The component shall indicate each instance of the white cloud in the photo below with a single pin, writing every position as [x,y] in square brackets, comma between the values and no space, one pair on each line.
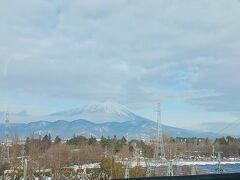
[123,66]
[125,51]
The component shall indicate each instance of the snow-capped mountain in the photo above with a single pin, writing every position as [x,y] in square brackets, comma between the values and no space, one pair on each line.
[98,113]
[97,119]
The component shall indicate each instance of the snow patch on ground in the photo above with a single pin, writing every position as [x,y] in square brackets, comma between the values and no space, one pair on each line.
[179,163]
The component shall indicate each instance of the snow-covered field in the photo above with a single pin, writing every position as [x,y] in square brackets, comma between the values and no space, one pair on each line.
[204,166]
[178,163]
[182,163]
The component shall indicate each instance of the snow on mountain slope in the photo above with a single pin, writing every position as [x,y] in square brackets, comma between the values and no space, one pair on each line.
[97,119]
[98,113]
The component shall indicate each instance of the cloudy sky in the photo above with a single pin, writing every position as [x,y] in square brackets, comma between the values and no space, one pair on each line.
[57,54]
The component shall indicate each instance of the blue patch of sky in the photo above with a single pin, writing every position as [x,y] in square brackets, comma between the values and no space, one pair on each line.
[174,87]
[58,11]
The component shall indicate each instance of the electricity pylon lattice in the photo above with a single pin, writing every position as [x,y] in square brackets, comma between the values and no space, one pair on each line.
[170,169]
[5,148]
[148,169]
[159,153]
[126,173]
[219,168]
[6,129]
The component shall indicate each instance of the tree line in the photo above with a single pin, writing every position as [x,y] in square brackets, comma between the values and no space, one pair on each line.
[57,154]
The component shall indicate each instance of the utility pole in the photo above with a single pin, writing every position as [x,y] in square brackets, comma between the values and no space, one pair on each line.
[159,153]
[105,151]
[213,152]
[170,153]
[25,170]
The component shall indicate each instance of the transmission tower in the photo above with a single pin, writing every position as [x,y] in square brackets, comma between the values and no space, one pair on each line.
[148,169]
[5,148]
[159,153]
[219,168]
[126,173]
[170,169]
[6,129]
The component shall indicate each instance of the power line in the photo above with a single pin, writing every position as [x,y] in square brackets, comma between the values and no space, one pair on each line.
[227,126]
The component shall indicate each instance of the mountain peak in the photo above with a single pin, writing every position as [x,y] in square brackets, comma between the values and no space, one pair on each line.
[107,107]
[98,112]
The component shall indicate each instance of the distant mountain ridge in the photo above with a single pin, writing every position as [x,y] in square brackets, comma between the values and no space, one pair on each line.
[97,119]
[136,129]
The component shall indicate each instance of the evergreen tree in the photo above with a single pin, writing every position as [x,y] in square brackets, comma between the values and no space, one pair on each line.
[26,146]
[92,141]
[57,140]
[46,141]
[105,142]
[77,140]
[221,140]
[123,141]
